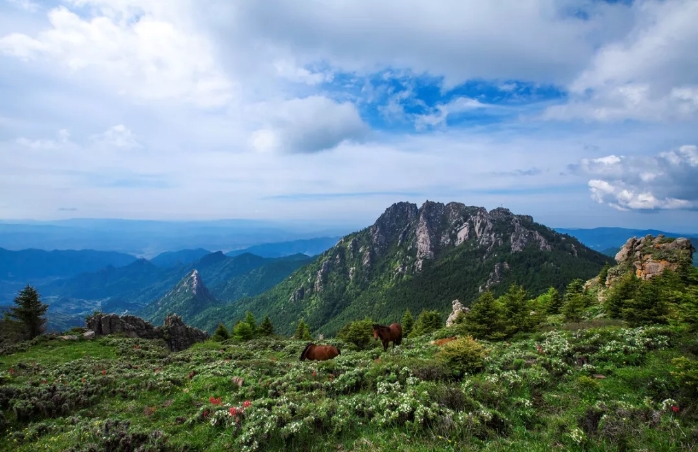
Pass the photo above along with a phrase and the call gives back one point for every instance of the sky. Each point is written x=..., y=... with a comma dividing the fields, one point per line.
x=581, y=113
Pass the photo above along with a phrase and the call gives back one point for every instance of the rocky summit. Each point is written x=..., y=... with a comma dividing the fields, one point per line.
x=650, y=256
x=189, y=297
x=420, y=257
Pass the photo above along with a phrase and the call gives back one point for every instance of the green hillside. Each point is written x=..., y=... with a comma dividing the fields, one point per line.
x=418, y=258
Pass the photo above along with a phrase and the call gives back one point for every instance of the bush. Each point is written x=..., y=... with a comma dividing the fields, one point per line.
x=221, y=334
x=359, y=333
x=302, y=331
x=464, y=355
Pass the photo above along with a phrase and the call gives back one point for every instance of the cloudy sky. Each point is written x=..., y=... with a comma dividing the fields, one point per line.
x=581, y=113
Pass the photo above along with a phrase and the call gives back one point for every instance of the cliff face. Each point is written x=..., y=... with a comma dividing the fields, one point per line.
x=421, y=257
x=646, y=257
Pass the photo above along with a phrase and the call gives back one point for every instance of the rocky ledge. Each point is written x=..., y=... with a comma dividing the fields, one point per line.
x=174, y=332
x=650, y=256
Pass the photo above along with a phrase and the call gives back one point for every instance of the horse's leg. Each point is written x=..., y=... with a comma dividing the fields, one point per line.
x=385, y=345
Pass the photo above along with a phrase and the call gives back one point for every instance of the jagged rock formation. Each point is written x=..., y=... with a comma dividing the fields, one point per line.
x=174, y=332
x=647, y=257
x=188, y=298
x=457, y=309
x=420, y=257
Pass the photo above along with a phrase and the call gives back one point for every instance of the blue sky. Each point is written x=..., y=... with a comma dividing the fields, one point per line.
x=581, y=113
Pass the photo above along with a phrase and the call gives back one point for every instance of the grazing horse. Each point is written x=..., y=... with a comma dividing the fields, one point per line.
x=319, y=352
x=388, y=333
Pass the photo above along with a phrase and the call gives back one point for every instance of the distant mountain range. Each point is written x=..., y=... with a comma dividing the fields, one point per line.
x=609, y=240
x=150, y=238
x=310, y=247
x=418, y=257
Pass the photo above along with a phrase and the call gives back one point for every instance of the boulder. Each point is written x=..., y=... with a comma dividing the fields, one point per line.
x=457, y=308
x=88, y=334
x=174, y=332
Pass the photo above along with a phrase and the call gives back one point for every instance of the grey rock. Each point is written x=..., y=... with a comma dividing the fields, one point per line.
x=457, y=309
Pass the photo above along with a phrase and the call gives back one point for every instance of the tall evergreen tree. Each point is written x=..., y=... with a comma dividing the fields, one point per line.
x=266, y=328
x=556, y=301
x=623, y=291
x=407, y=322
x=427, y=322
x=242, y=331
x=516, y=310
x=603, y=275
x=484, y=321
x=30, y=311
x=647, y=307
x=250, y=320
x=221, y=334
x=302, y=331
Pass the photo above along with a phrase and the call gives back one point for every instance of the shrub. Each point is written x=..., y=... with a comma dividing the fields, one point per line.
x=265, y=328
x=464, y=355
x=359, y=333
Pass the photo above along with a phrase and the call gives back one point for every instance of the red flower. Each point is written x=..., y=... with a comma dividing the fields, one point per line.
x=104, y=372
x=246, y=403
x=675, y=409
x=314, y=374
x=540, y=349
x=11, y=371
x=215, y=401
x=43, y=381
x=233, y=411
x=206, y=413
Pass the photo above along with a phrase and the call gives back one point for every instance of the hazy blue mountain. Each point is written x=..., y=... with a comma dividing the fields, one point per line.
x=309, y=247
x=150, y=238
x=33, y=264
x=181, y=257
x=608, y=239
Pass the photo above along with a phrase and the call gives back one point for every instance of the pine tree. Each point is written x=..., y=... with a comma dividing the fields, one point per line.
x=623, y=291
x=30, y=311
x=407, y=322
x=516, y=310
x=427, y=322
x=221, y=334
x=555, y=302
x=250, y=320
x=242, y=331
x=603, y=275
x=266, y=328
x=484, y=321
x=359, y=333
x=302, y=331
x=647, y=307
x=574, y=307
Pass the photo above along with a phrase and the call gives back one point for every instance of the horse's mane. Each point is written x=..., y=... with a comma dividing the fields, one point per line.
x=306, y=349
x=380, y=327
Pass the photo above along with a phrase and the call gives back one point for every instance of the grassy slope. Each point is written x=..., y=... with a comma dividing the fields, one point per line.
x=523, y=401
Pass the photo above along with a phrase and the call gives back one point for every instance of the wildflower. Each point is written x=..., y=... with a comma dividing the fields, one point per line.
x=233, y=411
x=11, y=371
x=674, y=408
x=214, y=400
x=314, y=374
x=104, y=372
x=206, y=413
x=246, y=403
x=136, y=347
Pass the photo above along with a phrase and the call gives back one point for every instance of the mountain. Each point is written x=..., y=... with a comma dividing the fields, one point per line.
x=175, y=258
x=189, y=297
x=610, y=240
x=145, y=238
x=310, y=247
x=260, y=279
x=419, y=258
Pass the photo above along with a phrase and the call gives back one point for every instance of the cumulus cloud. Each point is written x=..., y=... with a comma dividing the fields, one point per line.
x=665, y=181
x=648, y=74
x=132, y=46
x=307, y=125
x=63, y=139
x=117, y=136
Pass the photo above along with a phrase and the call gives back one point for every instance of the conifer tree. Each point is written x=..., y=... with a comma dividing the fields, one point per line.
x=574, y=307
x=266, y=328
x=647, y=307
x=555, y=303
x=407, y=322
x=250, y=320
x=484, y=321
x=427, y=322
x=302, y=331
x=242, y=331
x=221, y=334
x=603, y=275
x=30, y=311
x=623, y=291
x=516, y=310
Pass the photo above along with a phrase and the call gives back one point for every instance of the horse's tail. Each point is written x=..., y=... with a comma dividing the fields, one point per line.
x=305, y=350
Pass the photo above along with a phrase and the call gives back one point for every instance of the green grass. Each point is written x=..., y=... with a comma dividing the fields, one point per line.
x=523, y=400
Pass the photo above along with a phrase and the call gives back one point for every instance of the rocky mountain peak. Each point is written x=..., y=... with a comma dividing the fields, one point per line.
x=650, y=256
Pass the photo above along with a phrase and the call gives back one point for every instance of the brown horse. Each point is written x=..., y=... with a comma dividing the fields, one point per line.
x=319, y=352
x=388, y=333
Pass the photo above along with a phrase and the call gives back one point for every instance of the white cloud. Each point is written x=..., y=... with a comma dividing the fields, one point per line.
x=132, y=47
x=649, y=74
x=117, y=136
x=26, y=5
x=306, y=125
x=458, y=105
x=666, y=181
x=63, y=139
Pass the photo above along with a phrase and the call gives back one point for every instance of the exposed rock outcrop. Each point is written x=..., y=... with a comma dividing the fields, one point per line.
x=457, y=309
x=650, y=256
x=174, y=332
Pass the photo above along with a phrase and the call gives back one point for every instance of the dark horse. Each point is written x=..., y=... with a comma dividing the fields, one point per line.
x=388, y=333
x=319, y=352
